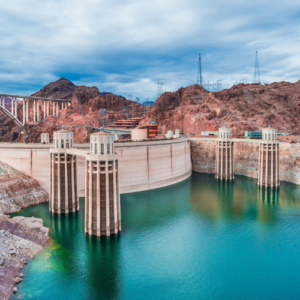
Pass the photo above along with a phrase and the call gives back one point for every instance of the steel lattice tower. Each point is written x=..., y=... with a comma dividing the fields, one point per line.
x=199, y=77
x=256, y=71
x=160, y=85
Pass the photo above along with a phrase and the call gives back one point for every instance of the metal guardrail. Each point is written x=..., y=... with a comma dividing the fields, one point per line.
x=34, y=98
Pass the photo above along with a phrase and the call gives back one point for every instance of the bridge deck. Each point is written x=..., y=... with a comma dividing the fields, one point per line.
x=35, y=98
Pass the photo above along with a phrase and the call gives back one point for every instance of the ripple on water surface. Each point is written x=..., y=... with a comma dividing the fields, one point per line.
x=199, y=239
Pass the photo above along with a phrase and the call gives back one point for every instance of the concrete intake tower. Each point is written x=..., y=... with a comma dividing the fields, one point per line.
x=102, y=199
x=268, y=168
x=63, y=179
x=224, y=155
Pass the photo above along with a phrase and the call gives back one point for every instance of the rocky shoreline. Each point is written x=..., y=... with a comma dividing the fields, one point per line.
x=20, y=239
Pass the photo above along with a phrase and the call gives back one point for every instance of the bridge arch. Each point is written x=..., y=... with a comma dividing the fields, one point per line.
x=10, y=115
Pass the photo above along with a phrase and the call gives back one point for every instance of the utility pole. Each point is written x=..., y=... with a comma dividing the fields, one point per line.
x=256, y=70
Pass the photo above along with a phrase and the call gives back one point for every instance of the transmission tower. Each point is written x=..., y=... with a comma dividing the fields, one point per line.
x=256, y=71
x=207, y=85
x=103, y=117
x=219, y=85
x=244, y=80
x=214, y=86
x=199, y=77
x=160, y=85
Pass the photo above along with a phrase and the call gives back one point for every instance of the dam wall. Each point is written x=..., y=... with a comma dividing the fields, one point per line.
x=150, y=165
x=246, y=155
x=34, y=160
x=142, y=165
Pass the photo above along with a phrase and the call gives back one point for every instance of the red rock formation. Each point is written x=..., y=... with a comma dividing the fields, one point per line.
x=192, y=109
x=79, y=117
x=242, y=107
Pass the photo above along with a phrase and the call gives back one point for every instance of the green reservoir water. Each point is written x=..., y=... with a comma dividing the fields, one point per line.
x=199, y=239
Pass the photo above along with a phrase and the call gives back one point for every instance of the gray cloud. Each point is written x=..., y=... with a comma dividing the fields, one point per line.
x=128, y=45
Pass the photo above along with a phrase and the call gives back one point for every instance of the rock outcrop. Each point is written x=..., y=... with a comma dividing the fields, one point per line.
x=20, y=239
x=242, y=107
x=60, y=89
x=18, y=190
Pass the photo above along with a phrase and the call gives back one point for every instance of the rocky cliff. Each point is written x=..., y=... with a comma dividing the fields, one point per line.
x=246, y=157
x=242, y=107
x=20, y=239
x=18, y=190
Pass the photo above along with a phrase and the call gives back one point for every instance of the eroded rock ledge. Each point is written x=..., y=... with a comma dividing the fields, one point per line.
x=18, y=190
x=20, y=239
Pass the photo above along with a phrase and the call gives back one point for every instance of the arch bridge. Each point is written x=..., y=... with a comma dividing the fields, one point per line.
x=9, y=106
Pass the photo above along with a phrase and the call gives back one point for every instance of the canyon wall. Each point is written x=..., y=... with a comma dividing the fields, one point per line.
x=18, y=190
x=243, y=107
x=246, y=156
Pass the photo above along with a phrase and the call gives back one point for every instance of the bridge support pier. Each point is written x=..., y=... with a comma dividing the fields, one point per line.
x=24, y=103
x=102, y=198
x=27, y=114
x=38, y=111
x=16, y=108
x=63, y=183
x=34, y=111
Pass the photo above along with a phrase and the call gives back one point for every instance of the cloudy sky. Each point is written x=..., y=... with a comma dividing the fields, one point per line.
x=126, y=46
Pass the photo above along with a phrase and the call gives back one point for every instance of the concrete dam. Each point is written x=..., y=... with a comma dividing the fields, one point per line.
x=103, y=169
x=142, y=165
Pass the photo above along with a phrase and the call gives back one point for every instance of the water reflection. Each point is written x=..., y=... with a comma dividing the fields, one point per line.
x=220, y=200
x=156, y=207
x=268, y=195
x=168, y=248
x=103, y=273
